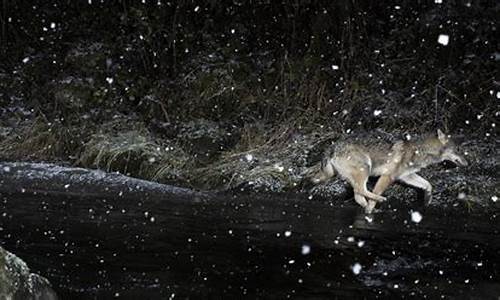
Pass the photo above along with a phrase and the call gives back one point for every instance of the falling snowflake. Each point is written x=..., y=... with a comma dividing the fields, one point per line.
x=335, y=67
x=416, y=216
x=443, y=39
x=356, y=268
x=377, y=112
x=306, y=249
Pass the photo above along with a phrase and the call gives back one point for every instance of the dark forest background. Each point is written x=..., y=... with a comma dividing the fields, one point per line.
x=239, y=74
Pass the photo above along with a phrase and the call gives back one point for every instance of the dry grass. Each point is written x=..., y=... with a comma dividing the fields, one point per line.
x=39, y=140
x=135, y=153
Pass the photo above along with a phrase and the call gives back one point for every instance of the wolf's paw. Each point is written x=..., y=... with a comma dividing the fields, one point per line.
x=369, y=212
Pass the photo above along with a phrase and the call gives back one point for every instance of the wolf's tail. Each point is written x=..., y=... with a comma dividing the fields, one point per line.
x=326, y=170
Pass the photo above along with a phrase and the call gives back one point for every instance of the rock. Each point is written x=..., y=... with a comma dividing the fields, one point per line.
x=16, y=281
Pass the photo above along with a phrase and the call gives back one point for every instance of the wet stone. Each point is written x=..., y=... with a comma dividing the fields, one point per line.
x=17, y=282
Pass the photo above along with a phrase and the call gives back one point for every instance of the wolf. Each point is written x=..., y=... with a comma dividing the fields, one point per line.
x=356, y=160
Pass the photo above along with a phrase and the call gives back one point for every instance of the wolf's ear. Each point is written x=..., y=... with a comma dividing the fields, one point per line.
x=442, y=137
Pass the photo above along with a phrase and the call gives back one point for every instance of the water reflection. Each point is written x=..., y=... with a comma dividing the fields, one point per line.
x=268, y=247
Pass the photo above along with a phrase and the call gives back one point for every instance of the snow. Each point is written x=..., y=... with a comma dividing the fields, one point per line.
x=288, y=233
x=377, y=112
x=249, y=157
x=494, y=198
x=306, y=249
x=438, y=1
x=109, y=80
x=197, y=8
x=335, y=67
x=26, y=59
x=416, y=216
x=443, y=39
x=279, y=168
x=356, y=268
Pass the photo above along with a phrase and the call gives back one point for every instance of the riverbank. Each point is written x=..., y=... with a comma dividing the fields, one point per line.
x=282, y=162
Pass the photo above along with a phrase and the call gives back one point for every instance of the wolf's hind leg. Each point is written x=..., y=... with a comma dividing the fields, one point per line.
x=358, y=182
x=382, y=183
x=370, y=207
x=363, y=191
x=361, y=200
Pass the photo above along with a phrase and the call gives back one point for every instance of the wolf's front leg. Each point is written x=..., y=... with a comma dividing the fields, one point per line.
x=417, y=181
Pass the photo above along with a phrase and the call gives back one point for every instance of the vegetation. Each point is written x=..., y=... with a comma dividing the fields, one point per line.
x=162, y=91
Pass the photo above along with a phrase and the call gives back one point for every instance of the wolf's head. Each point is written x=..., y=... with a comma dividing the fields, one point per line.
x=448, y=150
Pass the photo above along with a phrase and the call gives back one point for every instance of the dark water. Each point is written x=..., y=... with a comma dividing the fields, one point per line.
x=251, y=247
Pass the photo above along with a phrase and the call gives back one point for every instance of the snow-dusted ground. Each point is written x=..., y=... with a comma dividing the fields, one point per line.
x=51, y=178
